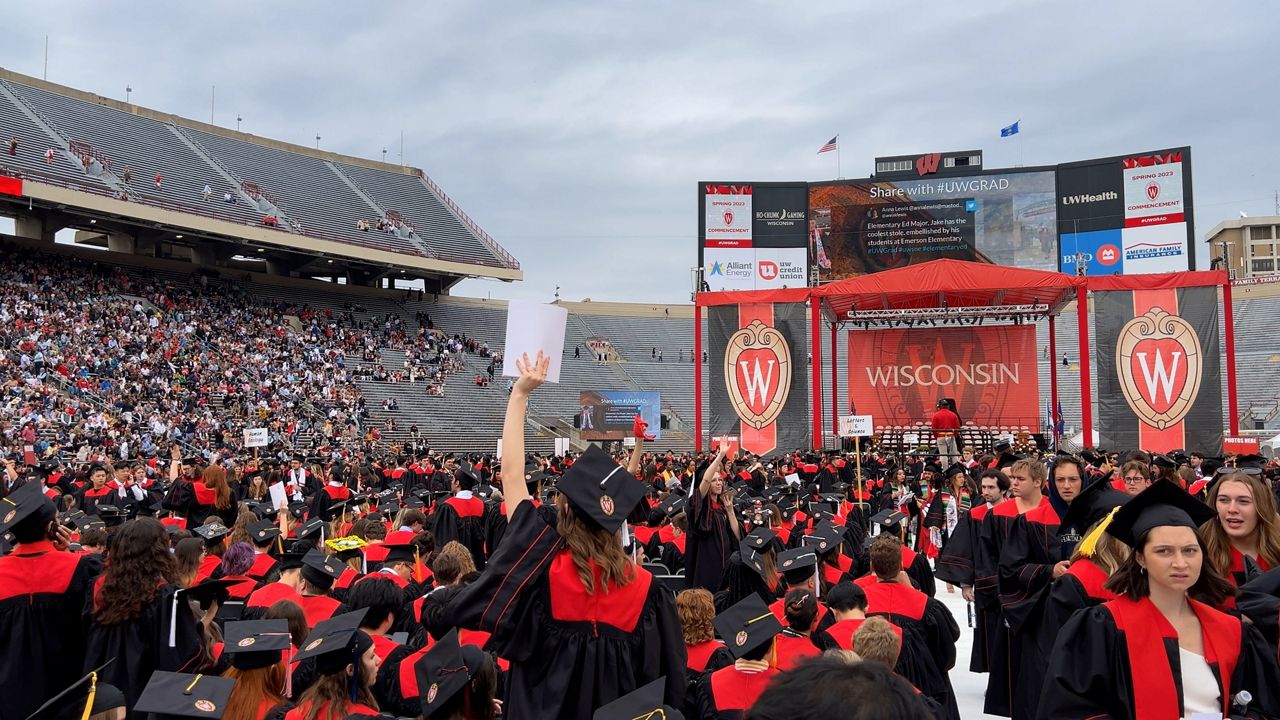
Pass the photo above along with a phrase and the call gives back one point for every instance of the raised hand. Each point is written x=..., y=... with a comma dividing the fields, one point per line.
x=638, y=427
x=532, y=373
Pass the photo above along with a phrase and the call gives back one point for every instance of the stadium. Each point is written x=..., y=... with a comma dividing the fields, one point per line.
x=946, y=427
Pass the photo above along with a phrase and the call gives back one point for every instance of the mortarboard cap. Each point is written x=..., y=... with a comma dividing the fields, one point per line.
x=1164, y=461
x=751, y=558
x=646, y=702
x=183, y=695
x=1210, y=465
x=314, y=526
x=210, y=531
x=336, y=510
x=759, y=539
x=888, y=519
x=256, y=644
x=792, y=562
x=207, y=591
x=110, y=514
x=263, y=531
x=27, y=501
x=672, y=505
x=320, y=569
x=955, y=469
x=747, y=625
x=601, y=489
x=1097, y=501
x=86, y=697
x=1161, y=504
x=336, y=643
x=824, y=538
x=444, y=669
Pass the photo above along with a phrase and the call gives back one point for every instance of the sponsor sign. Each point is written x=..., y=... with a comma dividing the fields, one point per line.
x=991, y=371
x=780, y=215
x=728, y=216
x=755, y=268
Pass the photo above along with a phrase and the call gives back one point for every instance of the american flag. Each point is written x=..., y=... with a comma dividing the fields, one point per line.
x=832, y=144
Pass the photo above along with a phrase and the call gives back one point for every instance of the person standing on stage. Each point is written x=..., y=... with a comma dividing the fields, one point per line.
x=946, y=427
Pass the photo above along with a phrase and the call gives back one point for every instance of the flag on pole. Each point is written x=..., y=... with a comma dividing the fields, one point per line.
x=1010, y=130
x=1059, y=424
x=831, y=144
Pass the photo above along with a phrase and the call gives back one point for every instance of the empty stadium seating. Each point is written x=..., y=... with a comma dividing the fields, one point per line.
x=324, y=199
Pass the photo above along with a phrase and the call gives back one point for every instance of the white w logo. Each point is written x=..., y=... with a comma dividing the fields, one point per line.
x=1158, y=374
x=757, y=382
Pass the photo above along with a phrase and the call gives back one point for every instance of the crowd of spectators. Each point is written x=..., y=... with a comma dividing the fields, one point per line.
x=99, y=362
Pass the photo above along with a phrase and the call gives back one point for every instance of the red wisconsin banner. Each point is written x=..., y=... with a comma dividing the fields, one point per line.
x=898, y=375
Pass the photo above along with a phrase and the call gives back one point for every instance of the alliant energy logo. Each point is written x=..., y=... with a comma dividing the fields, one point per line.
x=1085, y=199
x=757, y=372
x=1160, y=366
x=989, y=373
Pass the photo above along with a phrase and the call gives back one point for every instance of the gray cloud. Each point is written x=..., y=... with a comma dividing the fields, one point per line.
x=575, y=132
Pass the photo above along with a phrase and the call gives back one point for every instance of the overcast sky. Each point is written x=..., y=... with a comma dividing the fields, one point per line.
x=576, y=132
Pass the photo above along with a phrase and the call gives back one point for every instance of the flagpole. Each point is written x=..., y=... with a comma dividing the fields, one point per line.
x=837, y=157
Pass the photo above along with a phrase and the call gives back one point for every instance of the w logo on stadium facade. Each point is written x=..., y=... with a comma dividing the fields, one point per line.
x=927, y=164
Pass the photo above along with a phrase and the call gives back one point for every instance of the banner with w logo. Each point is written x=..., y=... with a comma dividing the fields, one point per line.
x=757, y=375
x=1158, y=359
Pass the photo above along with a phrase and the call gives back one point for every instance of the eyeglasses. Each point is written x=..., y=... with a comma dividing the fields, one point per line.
x=1134, y=480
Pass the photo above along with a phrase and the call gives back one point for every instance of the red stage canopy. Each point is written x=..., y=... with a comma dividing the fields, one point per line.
x=957, y=282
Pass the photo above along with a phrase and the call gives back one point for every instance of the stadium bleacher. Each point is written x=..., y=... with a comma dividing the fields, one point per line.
x=311, y=194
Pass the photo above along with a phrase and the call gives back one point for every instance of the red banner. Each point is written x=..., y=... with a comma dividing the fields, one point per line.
x=10, y=186
x=897, y=376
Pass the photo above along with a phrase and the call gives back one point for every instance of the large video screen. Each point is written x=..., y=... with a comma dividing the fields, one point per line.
x=752, y=236
x=865, y=226
x=610, y=414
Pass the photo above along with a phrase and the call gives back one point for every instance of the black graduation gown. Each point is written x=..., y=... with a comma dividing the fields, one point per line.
x=1025, y=571
x=141, y=646
x=42, y=593
x=710, y=542
x=986, y=590
x=919, y=571
x=466, y=526
x=1259, y=600
x=929, y=635
x=1090, y=674
x=570, y=653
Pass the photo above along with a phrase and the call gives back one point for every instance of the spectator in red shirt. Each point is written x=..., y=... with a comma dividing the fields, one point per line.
x=946, y=425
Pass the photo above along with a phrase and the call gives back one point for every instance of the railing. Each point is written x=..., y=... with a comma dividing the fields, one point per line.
x=508, y=260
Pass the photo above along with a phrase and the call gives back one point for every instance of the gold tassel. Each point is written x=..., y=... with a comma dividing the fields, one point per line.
x=93, y=690
x=1089, y=545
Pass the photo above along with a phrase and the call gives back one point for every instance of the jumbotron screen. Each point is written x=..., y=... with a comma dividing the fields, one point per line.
x=865, y=226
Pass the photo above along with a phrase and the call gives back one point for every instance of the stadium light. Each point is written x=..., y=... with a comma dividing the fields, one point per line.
x=128, y=90
x=238, y=119
x=317, y=141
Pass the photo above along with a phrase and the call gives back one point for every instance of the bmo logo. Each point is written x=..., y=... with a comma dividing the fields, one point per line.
x=768, y=270
x=1108, y=255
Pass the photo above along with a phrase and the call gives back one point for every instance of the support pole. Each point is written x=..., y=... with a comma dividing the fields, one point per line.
x=1228, y=319
x=1086, y=393
x=835, y=403
x=815, y=365
x=697, y=377
x=1053, y=380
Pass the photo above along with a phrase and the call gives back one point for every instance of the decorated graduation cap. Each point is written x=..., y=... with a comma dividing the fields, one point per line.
x=27, y=501
x=601, y=489
x=85, y=697
x=747, y=625
x=170, y=694
x=256, y=644
x=336, y=643
x=644, y=703
x=445, y=669
x=1097, y=501
x=1162, y=504
x=321, y=570
x=210, y=532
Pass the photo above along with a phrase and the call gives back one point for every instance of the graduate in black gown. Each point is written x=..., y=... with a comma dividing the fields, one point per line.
x=134, y=616
x=580, y=623
x=1157, y=651
x=958, y=563
x=42, y=591
x=713, y=528
x=462, y=516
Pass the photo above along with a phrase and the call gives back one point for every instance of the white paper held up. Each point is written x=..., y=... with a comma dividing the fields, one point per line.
x=532, y=327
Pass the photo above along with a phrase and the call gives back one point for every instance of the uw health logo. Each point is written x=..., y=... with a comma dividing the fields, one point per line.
x=757, y=372
x=1160, y=366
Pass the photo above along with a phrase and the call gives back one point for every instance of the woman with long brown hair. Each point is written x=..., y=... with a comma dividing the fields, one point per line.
x=346, y=666
x=187, y=554
x=213, y=496
x=259, y=651
x=580, y=623
x=134, y=616
x=1246, y=526
x=1160, y=649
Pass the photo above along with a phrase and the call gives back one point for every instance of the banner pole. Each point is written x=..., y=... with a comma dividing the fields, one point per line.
x=697, y=376
x=1086, y=392
x=857, y=454
x=815, y=365
x=1053, y=380
x=1228, y=321
x=835, y=406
